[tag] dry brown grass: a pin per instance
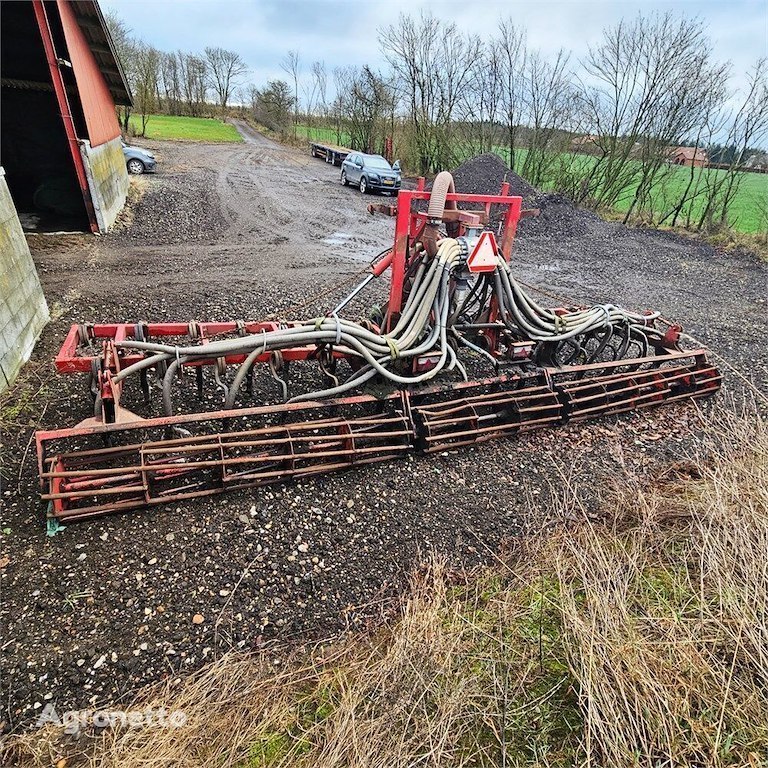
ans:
(137, 188)
(639, 641)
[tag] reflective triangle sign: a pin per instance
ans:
(484, 256)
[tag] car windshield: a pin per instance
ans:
(377, 162)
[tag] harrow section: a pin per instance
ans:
(296, 442)
(454, 307)
(236, 449)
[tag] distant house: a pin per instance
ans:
(688, 156)
(588, 145)
(757, 162)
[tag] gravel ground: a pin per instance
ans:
(239, 231)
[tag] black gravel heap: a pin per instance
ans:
(559, 217)
(484, 175)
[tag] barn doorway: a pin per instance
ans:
(34, 151)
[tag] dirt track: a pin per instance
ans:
(238, 231)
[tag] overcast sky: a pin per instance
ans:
(341, 32)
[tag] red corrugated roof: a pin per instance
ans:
(690, 153)
(94, 92)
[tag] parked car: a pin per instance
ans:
(371, 173)
(138, 160)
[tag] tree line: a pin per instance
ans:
(175, 82)
(600, 128)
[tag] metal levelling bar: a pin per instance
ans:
(258, 446)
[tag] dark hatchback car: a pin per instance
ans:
(370, 173)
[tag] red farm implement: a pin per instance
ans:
(461, 353)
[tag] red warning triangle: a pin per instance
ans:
(484, 256)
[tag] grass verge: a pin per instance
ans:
(641, 640)
(171, 127)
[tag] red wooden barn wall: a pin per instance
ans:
(98, 106)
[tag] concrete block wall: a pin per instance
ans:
(23, 310)
(107, 179)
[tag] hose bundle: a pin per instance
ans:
(421, 328)
(543, 324)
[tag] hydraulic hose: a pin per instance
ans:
(422, 327)
(441, 187)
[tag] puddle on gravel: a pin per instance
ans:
(337, 238)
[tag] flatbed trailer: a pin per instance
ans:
(331, 153)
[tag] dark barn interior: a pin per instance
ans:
(34, 150)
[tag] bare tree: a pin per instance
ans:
(432, 65)
(225, 68)
(688, 114)
(291, 65)
(748, 126)
(320, 80)
(649, 74)
(125, 47)
(272, 105)
(549, 103)
(193, 73)
(145, 97)
(511, 54)
(368, 105)
(479, 106)
(343, 77)
(170, 78)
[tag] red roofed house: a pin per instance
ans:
(689, 156)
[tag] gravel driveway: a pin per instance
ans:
(239, 231)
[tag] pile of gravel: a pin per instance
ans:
(559, 217)
(484, 175)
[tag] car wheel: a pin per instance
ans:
(135, 166)
(344, 178)
(363, 185)
(314, 152)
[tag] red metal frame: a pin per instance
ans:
(409, 225)
(68, 360)
(409, 222)
(253, 446)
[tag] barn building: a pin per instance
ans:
(689, 156)
(60, 82)
(61, 160)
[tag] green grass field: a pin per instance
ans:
(171, 127)
(327, 135)
(748, 212)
